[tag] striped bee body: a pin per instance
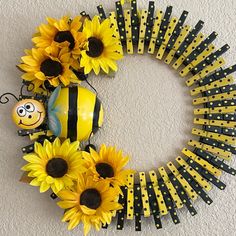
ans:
(74, 113)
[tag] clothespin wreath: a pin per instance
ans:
(61, 117)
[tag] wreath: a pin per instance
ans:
(60, 116)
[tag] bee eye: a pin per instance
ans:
(29, 107)
(21, 111)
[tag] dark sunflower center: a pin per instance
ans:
(51, 68)
(104, 170)
(95, 47)
(63, 36)
(57, 167)
(91, 198)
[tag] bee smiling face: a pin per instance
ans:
(28, 114)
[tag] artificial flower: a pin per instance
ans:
(103, 48)
(41, 67)
(92, 203)
(107, 164)
(61, 33)
(54, 165)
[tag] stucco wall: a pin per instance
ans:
(148, 114)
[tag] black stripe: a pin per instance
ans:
(96, 114)
(72, 114)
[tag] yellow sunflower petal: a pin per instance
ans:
(32, 166)
(37, 54)
(38, 148)
(28, 76)
(73, 148)
(41, 177)
(54, 81)
(41, 42)
(32, 158)
(48, 149)
(96, 66)
(40, 75)
(87, 226)
(64, 147)
(104, 66)
(68, 195)
(26, 68)
(111, 64)
(74, 221)
(29, 60)
(59, 185)
(56, 146)
(49, 180)
(66, 204)
(69, 214)
(64, 80)
(44, 187)
(35, 182)
(94, 155)
(87, 210)
(76, 23)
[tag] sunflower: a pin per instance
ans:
(108, 164)
(41, 67)
(61, 33)
(93, 203)
(54, 165)
(103, 49)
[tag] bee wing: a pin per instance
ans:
(53, 121)
(54, 124)
(53, 97)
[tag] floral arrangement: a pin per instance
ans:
(66, 46)
(88, 183)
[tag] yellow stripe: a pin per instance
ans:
(170, 29)
(187, 52)
(170, 187)
(205, 164)
(142, 31)
(217, 151)
(215, 84)
(216, 136)
(158, 193)
(215, 110)
(206, 71)
(186, 186)
(183, 34)
(86, 102)
(217, 97)
(202, 56)
(130, 197)
(194, 174)
(155, 31)
(220, 123)
(145, 199)
(35, 136)
(129, 43)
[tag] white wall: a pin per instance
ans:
(148, 114)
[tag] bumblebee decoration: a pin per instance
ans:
(74, 113)
(71, 112)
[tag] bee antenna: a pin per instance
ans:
(4, 98)
(91, 86)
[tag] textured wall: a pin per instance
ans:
(148, 114)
